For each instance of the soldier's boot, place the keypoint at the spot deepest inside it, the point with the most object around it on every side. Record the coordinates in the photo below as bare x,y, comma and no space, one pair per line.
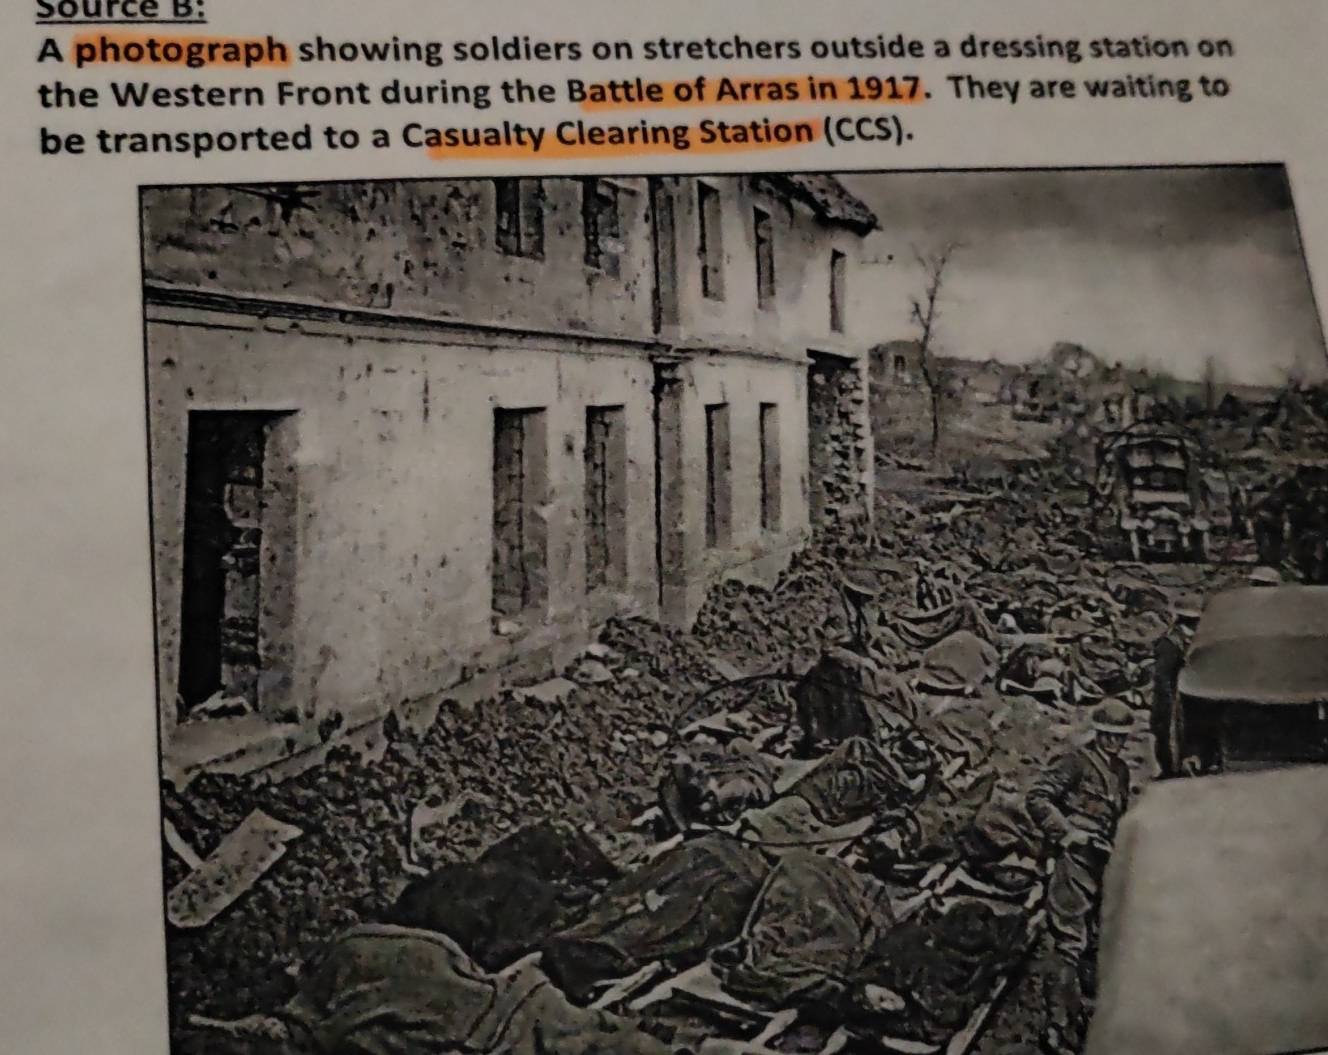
1064,996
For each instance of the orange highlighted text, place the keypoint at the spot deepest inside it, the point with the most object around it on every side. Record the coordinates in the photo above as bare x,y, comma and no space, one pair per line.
579,139
145,49
632,93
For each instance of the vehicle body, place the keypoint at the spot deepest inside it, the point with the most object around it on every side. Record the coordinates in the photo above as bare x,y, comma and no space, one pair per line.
1150,481
1213,931
1253,690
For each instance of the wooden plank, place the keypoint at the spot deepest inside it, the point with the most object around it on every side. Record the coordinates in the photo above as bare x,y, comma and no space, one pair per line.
951,768
698,981
177,843
836,1042
663,848
793,770
729,1018
762,739
622,988
904,1046
963,1040
968,883
729,1046
777,1026
230,871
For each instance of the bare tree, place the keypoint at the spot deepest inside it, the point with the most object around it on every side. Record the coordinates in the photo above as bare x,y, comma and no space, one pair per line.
925,314
1211,379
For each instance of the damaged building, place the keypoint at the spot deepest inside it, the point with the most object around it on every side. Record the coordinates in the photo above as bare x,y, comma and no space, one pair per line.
411,441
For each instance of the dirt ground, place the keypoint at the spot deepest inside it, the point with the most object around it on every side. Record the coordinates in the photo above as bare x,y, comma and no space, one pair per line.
593,751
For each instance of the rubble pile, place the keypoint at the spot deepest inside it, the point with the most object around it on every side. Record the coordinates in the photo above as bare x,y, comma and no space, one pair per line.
351,846
837,419
783,627
990,631
594,756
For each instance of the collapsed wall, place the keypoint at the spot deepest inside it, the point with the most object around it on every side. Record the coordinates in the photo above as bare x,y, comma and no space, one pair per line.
839,442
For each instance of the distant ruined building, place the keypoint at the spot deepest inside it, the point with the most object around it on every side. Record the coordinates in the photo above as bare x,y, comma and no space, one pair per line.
900,402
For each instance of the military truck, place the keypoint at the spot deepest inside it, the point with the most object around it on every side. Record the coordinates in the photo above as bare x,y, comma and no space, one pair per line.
1253,690
1154,498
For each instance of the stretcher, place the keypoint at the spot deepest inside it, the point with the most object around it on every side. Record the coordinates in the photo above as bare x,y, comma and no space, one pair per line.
735,1027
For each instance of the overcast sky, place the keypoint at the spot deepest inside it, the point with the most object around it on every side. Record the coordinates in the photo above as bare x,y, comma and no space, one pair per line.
1155,267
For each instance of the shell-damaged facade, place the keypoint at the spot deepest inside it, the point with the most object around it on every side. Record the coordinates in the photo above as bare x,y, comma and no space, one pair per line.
413,440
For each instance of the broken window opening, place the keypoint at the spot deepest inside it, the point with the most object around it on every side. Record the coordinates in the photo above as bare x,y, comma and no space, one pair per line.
520,491
606,497
670,485
837,272
901,367
665,305
519,205
771,497
719,495
765,258
239,518
711,243
601,221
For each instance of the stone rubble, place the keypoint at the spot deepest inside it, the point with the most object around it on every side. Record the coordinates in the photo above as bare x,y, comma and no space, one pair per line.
591,747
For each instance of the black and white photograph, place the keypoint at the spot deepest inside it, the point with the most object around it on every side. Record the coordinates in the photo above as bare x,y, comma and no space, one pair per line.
738,613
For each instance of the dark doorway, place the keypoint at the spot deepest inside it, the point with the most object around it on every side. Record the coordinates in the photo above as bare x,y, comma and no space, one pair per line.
520,490
238,512
719,482
711,237
837,292
765,258
771,490
606,497
670,546
663,224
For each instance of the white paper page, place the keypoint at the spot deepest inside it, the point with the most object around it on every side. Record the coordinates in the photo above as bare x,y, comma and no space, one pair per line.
467,391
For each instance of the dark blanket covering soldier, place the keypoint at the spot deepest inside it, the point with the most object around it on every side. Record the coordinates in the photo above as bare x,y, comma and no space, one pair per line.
674,908
505,904
385,990
853,689
1077,803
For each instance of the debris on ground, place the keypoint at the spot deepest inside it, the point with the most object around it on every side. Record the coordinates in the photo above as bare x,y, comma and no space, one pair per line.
229,871
787,735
